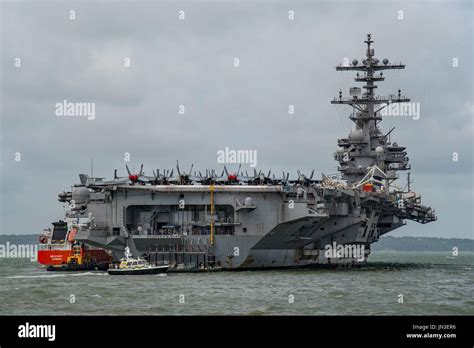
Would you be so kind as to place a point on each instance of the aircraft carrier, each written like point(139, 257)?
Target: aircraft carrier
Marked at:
point(202, 220)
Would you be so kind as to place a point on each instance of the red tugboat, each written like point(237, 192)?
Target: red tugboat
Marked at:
point(59, 251)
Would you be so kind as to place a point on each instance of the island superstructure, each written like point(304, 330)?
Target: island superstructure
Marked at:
point(240, 221)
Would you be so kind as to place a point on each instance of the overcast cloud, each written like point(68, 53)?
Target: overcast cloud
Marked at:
point(190, 63)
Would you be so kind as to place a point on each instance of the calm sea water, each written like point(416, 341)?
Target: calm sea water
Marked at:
point(431, 283)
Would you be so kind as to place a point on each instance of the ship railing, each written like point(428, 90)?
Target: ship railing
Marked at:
point(52, 246)
point(174, 235)
point(159, 263)
point(343, 141)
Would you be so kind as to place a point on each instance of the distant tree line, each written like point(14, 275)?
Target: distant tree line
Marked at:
point(387, 243)
point(390, 243)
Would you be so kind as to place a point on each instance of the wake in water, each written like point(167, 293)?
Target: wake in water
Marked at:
point(37, 276)
point(55, 275)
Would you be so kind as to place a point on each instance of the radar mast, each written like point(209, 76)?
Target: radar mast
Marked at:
point(366, 146)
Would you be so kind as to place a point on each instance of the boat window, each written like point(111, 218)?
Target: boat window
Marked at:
point(59, 231)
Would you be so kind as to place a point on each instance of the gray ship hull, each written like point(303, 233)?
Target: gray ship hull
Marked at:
point(280, 229)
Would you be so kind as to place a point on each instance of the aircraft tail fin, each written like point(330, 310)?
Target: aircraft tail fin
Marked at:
point(83, 178)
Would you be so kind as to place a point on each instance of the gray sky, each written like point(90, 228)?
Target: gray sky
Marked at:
point(190, 62)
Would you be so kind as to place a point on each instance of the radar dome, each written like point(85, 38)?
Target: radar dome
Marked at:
point(379, 150)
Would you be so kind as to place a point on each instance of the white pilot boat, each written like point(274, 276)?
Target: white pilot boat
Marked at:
point(130, 266)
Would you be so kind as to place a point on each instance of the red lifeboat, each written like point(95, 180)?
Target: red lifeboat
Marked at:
point(232, 177)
